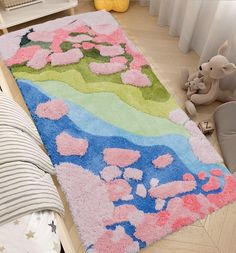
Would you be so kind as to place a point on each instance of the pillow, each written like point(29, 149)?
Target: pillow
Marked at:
point(21, 147)
point(11, 114)
point(225, 121)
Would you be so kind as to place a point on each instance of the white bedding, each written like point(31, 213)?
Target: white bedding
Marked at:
point(33, 233)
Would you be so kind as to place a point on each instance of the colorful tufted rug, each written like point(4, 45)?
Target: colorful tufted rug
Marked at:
point(133, 166)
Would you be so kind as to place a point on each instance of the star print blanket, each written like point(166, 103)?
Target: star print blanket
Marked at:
point(132, 165)
point(32, 233)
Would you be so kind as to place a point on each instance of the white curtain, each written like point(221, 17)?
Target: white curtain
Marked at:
point(202, 25)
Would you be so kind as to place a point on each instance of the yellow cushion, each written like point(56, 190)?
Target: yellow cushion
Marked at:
point(115, 5)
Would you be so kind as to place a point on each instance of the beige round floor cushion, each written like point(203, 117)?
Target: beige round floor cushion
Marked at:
point(225, 121)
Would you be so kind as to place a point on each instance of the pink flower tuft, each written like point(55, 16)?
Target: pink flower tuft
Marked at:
point(71, 56)
point(212, 184)
point(163, 161)
point(68, 145)
point(54, 109)
point(188, 177)
point(172, 189)
point(119, 59)
point(39, 59)
point(135, 78)
point(110, 50)
point(132, 173)
point(106, 68)
point(141, 190)
point(76, 45)
point(22, 55)
point(120, 157)
point(216, 172)
point(110, 172)
point(118, 189)
point(88, 45)
point(59, 37)
point(202, 175)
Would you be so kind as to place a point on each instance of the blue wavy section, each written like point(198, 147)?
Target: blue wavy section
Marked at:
point(101, 135)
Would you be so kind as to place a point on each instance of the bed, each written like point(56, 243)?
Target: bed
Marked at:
point(43, 231)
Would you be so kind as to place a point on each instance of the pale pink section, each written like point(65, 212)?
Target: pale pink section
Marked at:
point(79, 38)
point(163, 161)
point(212, 184)
point(88, 45)
point(178, 116)
point(52, 109)
point(193, 129)
point(188, 177)
point(22, 55)
point(69, 145)
point(110, 172)
point(110, 50)
point(81, 29)
point(204, 151)
point(132, 173)
point(216, 172)
point(116, 242)
point(105, 29)
point(172, 189)
point(119, 59)
point(88, 198)
point(43, 36)
point(118, 189)
point(71, 56)
point(136, 78)
point(202, 175)
point(141, 190)
point(106, 68)
point(39, 59)
point(120, 157)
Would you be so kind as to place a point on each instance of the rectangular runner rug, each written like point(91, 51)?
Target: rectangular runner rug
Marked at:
point(133, 166)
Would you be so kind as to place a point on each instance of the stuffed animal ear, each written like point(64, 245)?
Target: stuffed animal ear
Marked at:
point(201, 86)
point(223, 48)
point(229, 68)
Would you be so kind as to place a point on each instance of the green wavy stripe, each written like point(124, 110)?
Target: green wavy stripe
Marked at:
point(128, 94)
point(111, 109)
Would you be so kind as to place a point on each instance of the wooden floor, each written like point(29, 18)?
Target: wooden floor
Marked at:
point(216, 233)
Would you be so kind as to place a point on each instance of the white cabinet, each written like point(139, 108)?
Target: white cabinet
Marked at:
point(33, 11)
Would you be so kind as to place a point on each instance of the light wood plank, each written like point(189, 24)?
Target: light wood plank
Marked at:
point(168, 246)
